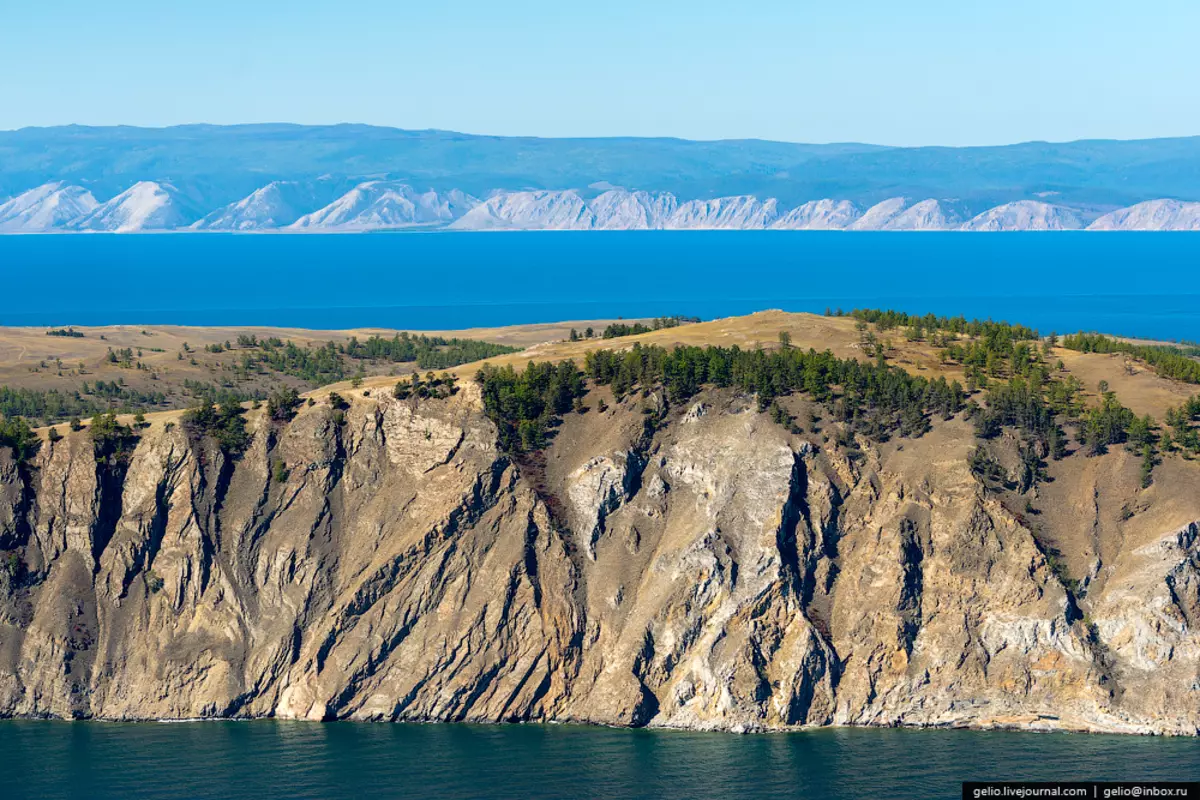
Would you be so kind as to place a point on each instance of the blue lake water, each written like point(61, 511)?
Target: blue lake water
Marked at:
point(1126, 283)
point(258, 760)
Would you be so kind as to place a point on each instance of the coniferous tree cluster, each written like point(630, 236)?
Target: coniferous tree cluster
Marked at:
point(326, 363)
point(1105, 424)
point(438, 387)
point(225, 424)
point(1181, 433)
point(314, 365)
point(214, 394)
point(16, 434)
point(50, 405)
point(282, 404)
point(887, 320)
point(112, 442)
point(526, 404)
point(874, 399)
point(1023, 405)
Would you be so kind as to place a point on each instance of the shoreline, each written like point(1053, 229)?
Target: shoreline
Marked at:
point(733, 730)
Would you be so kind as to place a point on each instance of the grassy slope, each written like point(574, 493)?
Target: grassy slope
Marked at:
point(1136, 386)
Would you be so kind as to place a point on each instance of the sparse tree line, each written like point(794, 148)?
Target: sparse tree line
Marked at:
point(619, 329)
point(929, 323)
point(69, 333)
point(430, 352)
point(1178, 362)
point(327, 363)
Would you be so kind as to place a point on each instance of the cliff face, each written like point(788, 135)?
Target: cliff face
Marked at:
point(718, 572)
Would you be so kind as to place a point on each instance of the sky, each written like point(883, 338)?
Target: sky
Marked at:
point(900, 73)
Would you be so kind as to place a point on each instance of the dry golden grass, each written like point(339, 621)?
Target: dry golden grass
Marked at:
point(1136, 385)
point(762, 329)
point(25, 349)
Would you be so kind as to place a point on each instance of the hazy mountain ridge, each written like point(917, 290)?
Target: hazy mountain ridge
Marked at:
point(392, 205)
point(219, 165)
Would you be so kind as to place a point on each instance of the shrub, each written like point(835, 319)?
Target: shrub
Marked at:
point(281, 405)
point(112, 442)
point(16, 434)
point(225, 424)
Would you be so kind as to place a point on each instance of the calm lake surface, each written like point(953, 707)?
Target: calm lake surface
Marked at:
point(1142, 284)
point(257, 760)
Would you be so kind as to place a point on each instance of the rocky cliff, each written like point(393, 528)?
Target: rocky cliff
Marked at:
point(714, 572)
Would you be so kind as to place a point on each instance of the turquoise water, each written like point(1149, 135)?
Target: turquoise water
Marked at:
point(1127, 283)
point(257, 760)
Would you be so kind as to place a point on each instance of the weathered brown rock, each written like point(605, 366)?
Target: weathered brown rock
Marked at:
point(719, 573)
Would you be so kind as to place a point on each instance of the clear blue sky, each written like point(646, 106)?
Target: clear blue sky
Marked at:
point(915, 72)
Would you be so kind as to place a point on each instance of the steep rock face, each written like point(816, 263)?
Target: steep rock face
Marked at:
point(819, 215)
point(743, 212)
point(880, 215)
point(377, 205)
point(1153, 215)
point(710, 571)
point(618, 209)
point(45, 208)
point(1025, 215)
point(900, 214)
point(529, 210)
point(278, 204)
point(145, 206)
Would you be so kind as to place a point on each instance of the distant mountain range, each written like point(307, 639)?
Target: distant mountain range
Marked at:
point(362, 178)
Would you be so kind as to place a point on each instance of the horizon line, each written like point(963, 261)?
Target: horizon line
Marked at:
point(617, 137)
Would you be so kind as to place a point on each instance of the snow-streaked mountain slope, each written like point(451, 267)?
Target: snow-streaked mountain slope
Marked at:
point(897, 214)
point(619, 209)
point(742, 212)
point(379, 205)
point(1153, 215)
point(878, 216)
point(145, 206)
point(538, 210)
point(275, 205)
point(45, 208)
point(819, 215)
point(1025, 215)
point(927, 215)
